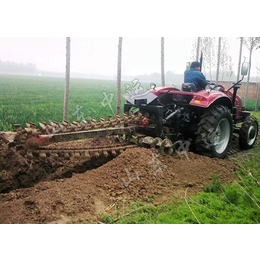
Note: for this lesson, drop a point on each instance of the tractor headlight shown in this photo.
(208, 88)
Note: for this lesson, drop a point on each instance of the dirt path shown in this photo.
(134, 175)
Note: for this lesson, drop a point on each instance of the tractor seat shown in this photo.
(189, 87)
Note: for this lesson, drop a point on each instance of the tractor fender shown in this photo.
(205, 99)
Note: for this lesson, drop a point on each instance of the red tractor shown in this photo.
(206, 119)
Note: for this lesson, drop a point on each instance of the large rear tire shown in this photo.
(248, 133)
(214, 132)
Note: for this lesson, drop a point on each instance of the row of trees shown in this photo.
(252, 43)
(221, 60)
(13, 67)
(206, 45)
(67, 81)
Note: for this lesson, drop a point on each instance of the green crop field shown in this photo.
(26, 99)
(250, 106)
(40, 99)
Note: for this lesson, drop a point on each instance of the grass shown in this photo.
(219, 204)
(250, 104)
(36, 99)
(257, 115)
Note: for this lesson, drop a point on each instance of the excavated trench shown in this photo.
(137, 174)
(17, 171)
(76, 190)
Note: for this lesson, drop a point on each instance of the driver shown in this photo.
(193, 75)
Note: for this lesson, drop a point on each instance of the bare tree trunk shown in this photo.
(198, 49)
(240, 56)
(210, 75)
(257, 97)
(119, 64)
(67, 84)
(210, 59)
(249, 71)
(219, 48)
(162, 62)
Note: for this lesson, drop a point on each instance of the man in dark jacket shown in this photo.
(193, 75)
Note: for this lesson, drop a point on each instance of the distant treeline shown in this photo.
(170, 76)
(13, 67)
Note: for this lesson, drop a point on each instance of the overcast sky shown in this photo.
(99, 54)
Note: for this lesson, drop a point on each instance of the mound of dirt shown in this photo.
(136, 174)
(139, 173)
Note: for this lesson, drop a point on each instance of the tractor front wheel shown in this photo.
(214, 132)
(248, 133)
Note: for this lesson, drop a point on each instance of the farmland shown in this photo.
(40, 99)
(58, 190)
(37, 99)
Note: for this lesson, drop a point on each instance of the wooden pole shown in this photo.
(219, 49)
(240, 56)
(257, 97)
(119, 64)
(67, 83)
(162, 62)
(249, 70)
(198, 49)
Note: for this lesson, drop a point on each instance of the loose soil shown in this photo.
(135, 175)
(18, 171)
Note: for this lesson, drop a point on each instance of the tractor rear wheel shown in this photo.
(248, 133)
(214, 132)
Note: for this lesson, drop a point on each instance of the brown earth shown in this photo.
(84, 197)
(17, 171)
